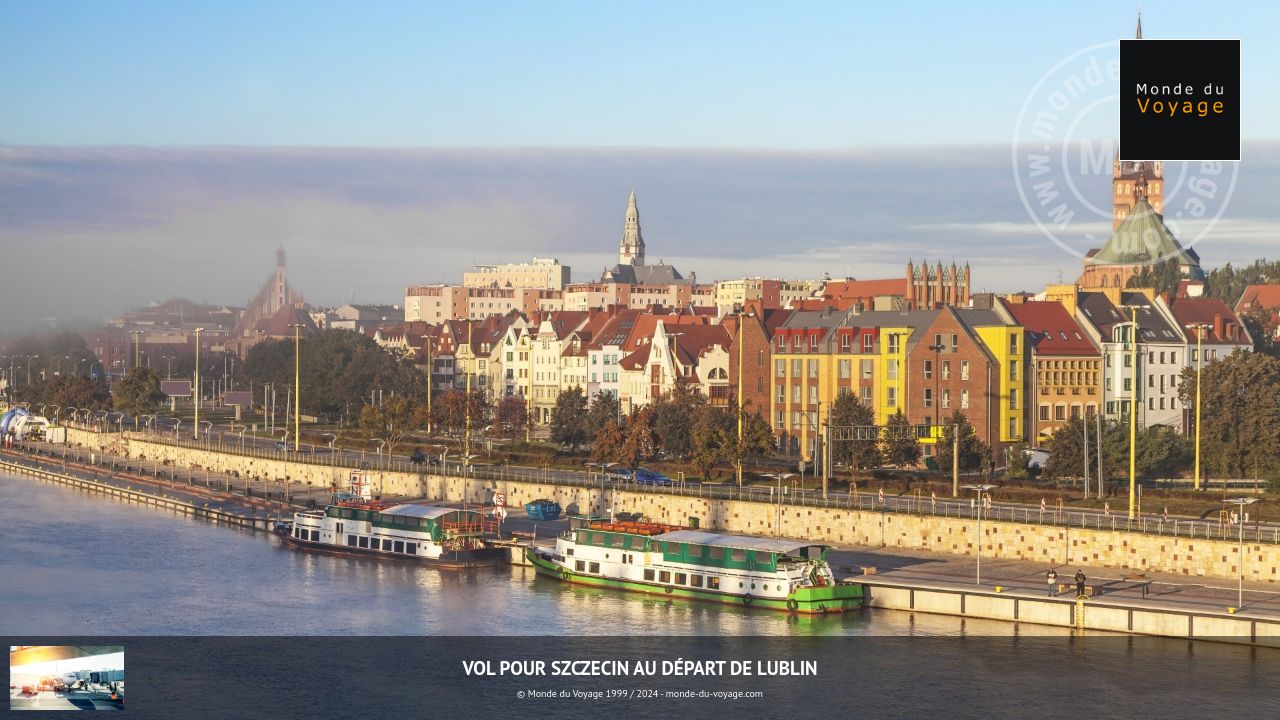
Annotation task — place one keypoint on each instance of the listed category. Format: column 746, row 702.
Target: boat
column 429, row 534
column 658, row 559
column 543, row 510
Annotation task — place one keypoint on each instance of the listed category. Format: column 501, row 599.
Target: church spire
column 631, row 250
column 1139, row 33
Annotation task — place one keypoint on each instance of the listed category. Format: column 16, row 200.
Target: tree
column 899, row 444
column 138, row 393
column 1262, row 327
column 450, row 411
column 607, row 447
column 568, row 417
column 1163, row 276
column 1239, row 434
column 673, row 418
column 857, row 454
column 711, row 438
column 81, row 392
column 511, row 417
column 639, row 440
column 757, row 443
column 604, row 408
column 973, row 452
column 391, row 420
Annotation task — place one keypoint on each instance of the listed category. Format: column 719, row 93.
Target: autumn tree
column 711, row 438
column 511, row 417
column 673, row 417
column 973, row 452
column 604, row 408
column 390, row 421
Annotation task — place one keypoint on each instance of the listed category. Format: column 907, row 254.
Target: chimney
column 1217, row 326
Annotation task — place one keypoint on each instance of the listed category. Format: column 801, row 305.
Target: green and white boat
column 787, row 575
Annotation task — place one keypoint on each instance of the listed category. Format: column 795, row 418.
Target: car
column 418, row 458
column 645, row 476
column 282, row 446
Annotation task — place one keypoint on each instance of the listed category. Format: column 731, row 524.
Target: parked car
column 418, row 458
column 645, row 476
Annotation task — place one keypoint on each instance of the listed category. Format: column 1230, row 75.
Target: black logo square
column 1179, row 99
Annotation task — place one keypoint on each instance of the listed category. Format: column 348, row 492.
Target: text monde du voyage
column 1180, row 99
column 639, row 668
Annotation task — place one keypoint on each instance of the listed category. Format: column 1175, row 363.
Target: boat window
column 315, row 536
column 399, row 546
column 364, row 542
column 763, row 558
column 599, row 539
column 695, row 581
column 713, row 582
column 568, row 551
column 411, row 548
column 717, row 553
column 738, row 555
column 681, row 579
column 664, row 576
column 351, row 541
column 595, row 567
column 617, row 541
column 386, row 545
column 580, row 565
column 648, row 574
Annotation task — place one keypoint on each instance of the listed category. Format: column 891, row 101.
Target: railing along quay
column 907, row 505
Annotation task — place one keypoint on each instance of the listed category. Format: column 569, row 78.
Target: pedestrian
column 1080, row 578
column 1051, row 578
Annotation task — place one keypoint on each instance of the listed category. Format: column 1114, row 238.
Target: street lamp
column 169, row 374
column 1135, row 378
column 297, row 384
column 196, row 426
column 1241, row 503
column 1199, row 328
column 980, row 489
column 29, row 359
column 426, row 348
column 137, row 347
column 778, row 478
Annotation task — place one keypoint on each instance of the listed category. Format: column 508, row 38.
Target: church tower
column 631, row 251
column 1133, row 181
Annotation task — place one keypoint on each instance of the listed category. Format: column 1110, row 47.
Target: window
column 351, row 541
column 797, row 367
column 364, row 542
column 946, row 398
column 964, row 369
column 780, row 368
column 648, row 574
column 716, row 553
column 1013, row 425
column 1013, row 398
column 795, row 393
column 955, row 342
column 713, row 583
column 759, row 358
column 782, row 419
column 928, row 398
column 937, row 340
column 682, row 579
column 893, row 369
column 1013, row 348
column 399, row 546
column 845, row 341
column 1013, row 369
column 964, row 399
column 1044, row 412
column 595, row 568
column 846, row 369
column 738, row 555
column 813, row 368
column 891, row 397
column 894, row 345
column 386, row 545
column 695, row 581
column 867, row 367
column 782, row 393
column 866, row 394
column 946, row 369
column 813, row 394
column 868, row 343
column 1075, row 411
column 928, row 369
column 664, row 576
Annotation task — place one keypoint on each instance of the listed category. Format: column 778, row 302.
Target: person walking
column 1051, row 578
column 1080, row 578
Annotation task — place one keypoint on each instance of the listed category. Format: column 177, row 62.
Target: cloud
column 92, row 231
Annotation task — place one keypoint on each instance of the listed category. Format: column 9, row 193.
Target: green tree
column 973, row 452
column 138, row 393
column 711, row 438
column 757, row 442
column 391, row 420
column 860, row 453
column 81, row 392
column 604, row 407
column 899, row 446
column 1163, row 276
column 511, row 417
column 1239, row 433
column 568, row 417
column 673, row 418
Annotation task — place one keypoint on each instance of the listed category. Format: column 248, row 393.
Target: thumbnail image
column 66, row 677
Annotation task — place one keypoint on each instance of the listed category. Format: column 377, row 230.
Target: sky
column 149, row 149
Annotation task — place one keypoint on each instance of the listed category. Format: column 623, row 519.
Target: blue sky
column 552, row 74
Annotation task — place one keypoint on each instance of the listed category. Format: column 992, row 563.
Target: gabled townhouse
column 1064, row 368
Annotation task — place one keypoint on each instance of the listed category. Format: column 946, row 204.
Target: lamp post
column 29, row 359
column 297, row 384
column 1199, row 328
column 169, row 374
column 778, row 478
column 426, row 347
column 980, row 489
column 137, row 347
column 739, row 453
column 195, row 427
column 1241, row 503
column 1135, row 378
column 466, row 450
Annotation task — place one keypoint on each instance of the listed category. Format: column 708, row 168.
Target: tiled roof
column 1259, row 296
column 1051, row 330
column 1224, row 325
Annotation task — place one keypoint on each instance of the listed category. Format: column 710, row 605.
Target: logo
column 1063, row 154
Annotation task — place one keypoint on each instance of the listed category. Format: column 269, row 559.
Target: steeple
column 631, row 250
column 1138, row 35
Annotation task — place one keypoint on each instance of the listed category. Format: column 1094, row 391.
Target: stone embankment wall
column 838, row 526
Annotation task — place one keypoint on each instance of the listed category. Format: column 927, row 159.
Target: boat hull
column 457, row 560
column 804, row 601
